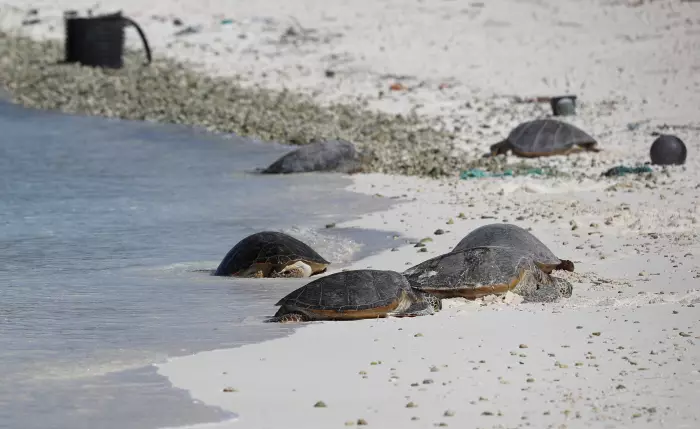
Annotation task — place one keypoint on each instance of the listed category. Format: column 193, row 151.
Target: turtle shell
column 471, row 273
column 271, row 247
column 354, row 290
column 515, row 237
column 331, row 155
column 543, row 137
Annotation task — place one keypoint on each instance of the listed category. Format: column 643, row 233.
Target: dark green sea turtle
column 515, row 237
column 357, row 294
column 668, row 149
column 545, row 137
column 271, row 254
column 481, row 271
column 332, row 155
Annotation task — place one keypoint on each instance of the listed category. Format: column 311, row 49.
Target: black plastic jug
column 99, row 41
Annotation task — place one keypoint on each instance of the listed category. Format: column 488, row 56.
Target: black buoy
column 668, row 150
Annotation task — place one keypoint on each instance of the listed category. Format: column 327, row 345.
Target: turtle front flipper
column 296, row 270
column 500, row 148
column 565, row 288
column 291, row 318
column 288, row 315
column 416, row 304
column 257, row 271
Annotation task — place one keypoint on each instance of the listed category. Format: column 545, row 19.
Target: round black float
column 668, row 150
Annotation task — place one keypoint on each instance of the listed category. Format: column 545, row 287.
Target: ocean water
column 107, row 228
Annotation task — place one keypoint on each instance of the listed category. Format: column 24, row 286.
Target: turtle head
column 500, row 148
column 565, row 265
column 591, row 147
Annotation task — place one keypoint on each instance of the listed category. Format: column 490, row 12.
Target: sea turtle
column 668, row 149
column 330, row 155
column 356, row 294
column 481, row 271
column 545, row 137
column 271, row 254
column 513, row 236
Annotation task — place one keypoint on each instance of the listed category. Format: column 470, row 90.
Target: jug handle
column 142, row 35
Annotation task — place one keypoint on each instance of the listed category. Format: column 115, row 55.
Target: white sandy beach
column 621, row 352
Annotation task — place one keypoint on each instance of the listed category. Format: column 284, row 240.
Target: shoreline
column 595, row 359
column 621, row 352
column 173, row 91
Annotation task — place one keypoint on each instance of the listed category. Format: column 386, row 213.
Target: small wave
column 337, row 249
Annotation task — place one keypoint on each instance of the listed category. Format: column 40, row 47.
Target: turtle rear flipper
column 283, row 316
column 579, row 148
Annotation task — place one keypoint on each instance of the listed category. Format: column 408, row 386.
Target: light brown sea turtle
column 271, row 254
column 545, row 137
column 356, row 294
column 515, row 237
column 480, row 271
